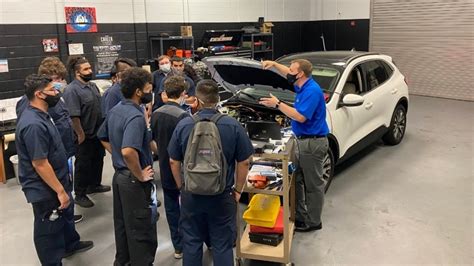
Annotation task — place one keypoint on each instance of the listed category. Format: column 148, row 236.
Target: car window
column 375, row 74
column 388, row 68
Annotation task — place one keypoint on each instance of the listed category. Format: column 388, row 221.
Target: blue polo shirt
column 62, row 120
column 310, row 103
column 125, row 127
column 36, row 138
column 235, row 141
column 111, row 98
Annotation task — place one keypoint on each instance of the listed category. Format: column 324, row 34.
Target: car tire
column 398, row 124
column 328, row 169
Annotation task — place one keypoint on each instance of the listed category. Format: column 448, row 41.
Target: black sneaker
column 97, row 189
column 81, row 247
column 77, row 218
column 83, row 201
column 307, row 228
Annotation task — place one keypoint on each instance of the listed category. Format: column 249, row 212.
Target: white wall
column 339, row 9
column 129, row 11
column 139, row 11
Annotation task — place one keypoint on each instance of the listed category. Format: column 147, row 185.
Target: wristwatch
column 277, row 104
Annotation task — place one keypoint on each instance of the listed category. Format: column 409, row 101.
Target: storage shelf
column 257, row 251
column 253, row 190
column 266, row 51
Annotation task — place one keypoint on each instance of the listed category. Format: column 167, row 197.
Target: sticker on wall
column 80, row 19
column 76, row 49
column 50, row 45
column 106, row 52
column 3, row 65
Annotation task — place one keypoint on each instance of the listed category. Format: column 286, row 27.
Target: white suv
column 366, row 97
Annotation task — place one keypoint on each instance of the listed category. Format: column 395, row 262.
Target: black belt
column 310, row 137
column 124, row 172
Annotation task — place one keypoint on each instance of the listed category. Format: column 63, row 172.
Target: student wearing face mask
column 44, row 175
column 177, row 69
column 164, row 68
column 309, row 125
column 83, row 100
column 55, row 69
column 126, row 135
column 113, row 95
column 163, row 123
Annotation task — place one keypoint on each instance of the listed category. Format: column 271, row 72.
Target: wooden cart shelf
column 256, row 251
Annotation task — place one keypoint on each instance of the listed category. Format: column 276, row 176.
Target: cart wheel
column 239, row 262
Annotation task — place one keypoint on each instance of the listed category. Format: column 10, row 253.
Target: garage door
column 430, row 41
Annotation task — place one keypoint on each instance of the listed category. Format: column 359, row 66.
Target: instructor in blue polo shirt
column 309, row 125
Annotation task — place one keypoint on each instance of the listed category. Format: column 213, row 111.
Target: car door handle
column 394, row 91
column 368, row 105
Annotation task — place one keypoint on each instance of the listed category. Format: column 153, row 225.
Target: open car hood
column 235, row 73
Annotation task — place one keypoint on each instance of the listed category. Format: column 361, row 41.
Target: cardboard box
column 267, row 27
column 187, row 31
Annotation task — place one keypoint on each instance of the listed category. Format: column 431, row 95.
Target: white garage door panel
column 431, row 41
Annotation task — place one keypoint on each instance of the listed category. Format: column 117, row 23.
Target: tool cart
column 245, row 249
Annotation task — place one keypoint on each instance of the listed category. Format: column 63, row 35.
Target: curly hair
column 52, row 66
column 132, row 79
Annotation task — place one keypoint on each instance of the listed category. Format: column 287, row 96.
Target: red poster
column 80, row 19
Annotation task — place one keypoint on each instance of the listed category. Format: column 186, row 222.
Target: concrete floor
column 409, row 204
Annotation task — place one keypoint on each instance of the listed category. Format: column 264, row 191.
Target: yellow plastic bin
column 14, row 161
column 262, row 210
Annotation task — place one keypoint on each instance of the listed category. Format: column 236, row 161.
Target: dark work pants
column 54, row 238
column 88, row 166
column 203, row 216
column 135, row 232
column 309, row 180
column 172, row 208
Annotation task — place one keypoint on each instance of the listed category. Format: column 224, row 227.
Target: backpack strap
column 196, row 118
column 216, row 117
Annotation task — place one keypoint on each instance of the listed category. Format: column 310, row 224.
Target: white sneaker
column 178, row 255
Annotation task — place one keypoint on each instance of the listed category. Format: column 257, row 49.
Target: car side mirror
column 351, row 100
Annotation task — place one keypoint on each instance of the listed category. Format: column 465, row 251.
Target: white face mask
column 165, row 68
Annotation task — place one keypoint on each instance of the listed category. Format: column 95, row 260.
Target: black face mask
column 52, row 100
column 87, row 77
column 291, row 78
column 146, row 98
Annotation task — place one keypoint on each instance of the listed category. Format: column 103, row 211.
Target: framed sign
column 50, row 45
column 80, row 19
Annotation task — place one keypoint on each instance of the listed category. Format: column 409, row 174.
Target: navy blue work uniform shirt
column 158, row 76
column 112, row 96
column 235, row 141
column 62, row 120
column 37, row 138
column 310, row 103
column 83, row 101
column 191, row 91
column 125, row 127
column 163, row 123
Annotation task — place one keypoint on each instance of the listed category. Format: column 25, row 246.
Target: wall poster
column 106, row 52
column 80, row 19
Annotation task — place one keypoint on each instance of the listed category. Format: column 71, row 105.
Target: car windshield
column 326, row 78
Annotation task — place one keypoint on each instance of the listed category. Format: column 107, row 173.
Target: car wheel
column 396, row 131
column 328, row 169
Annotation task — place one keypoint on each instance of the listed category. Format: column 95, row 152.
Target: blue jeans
column 54, row 238
column 172, row 208
column 203, row 216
